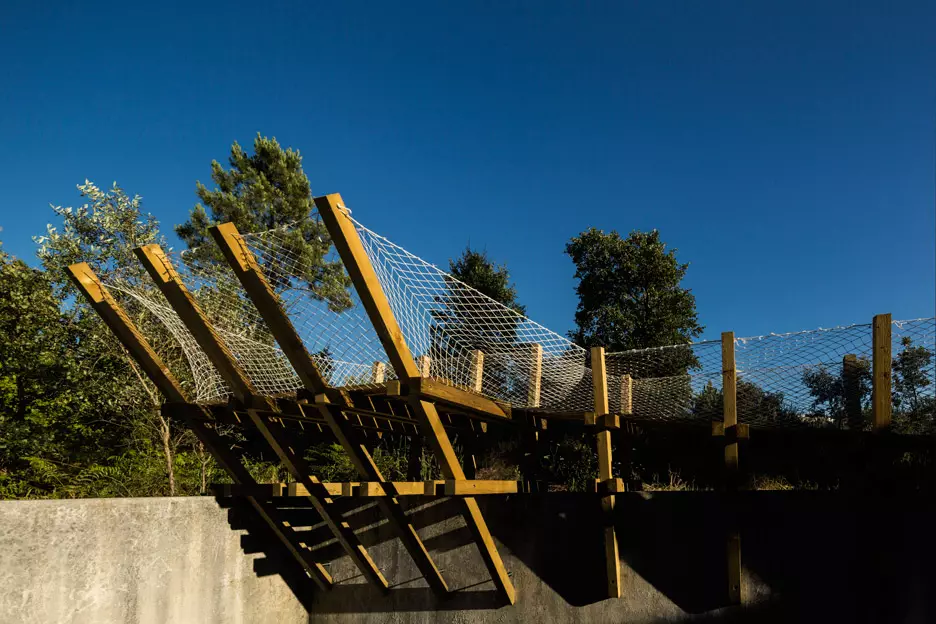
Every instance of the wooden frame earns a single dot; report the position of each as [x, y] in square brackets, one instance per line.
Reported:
[170, 284]
[350, 248]
[140, 350]
[603, 437]
[881, 371]
[267, 302]
[730, 430]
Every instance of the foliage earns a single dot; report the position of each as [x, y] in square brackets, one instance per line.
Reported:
[914, 406]
[262, 191]
[630, 295]
[828, 391]
[750, 399]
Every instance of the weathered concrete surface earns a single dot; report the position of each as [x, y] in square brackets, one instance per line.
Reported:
[808, 557]
[156, 560]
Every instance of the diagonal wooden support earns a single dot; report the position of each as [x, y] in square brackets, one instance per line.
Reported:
[351, 249]
[170, 284]
[140, 350]
[600, 388]
[251, 277]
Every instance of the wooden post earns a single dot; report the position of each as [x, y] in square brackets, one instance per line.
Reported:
[536, 375]
[600, 388]
[379, 373]
[730, 422]
[627, 395]
[353, 255]
[424, 363]
[141, 351]
[881, 370]
[170, 284]
[852, 388]
[251, 276]
[476, 374]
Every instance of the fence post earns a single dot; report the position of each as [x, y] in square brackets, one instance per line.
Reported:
[731, 430]
[881, 370]
[627, 395]
[852, 389]
[423, 363]
[379, 372]
[536, 375]
[605, 476]
[476, 373]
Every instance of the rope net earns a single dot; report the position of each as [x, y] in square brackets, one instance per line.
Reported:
[784, 380]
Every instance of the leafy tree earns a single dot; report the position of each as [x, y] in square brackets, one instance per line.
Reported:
[828, 390]
[914, 408]
[630, 296]
[754, 403]
[53, 418]
[467, 321]
[261, 191]
[104, 233]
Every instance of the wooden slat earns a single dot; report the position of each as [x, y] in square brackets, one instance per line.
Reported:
[600, 391]
[379, 373]
[141, 351]
[352, 252]
[424, 363]
[535, 382]
[454, 397]
[627, 395]
[170, 284]
[881, 372]
[251, 276]
[476, 488]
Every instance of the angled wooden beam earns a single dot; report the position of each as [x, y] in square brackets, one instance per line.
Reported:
[352, 252]
[267, 302]
[600, 389]
[141, 351]
[451, 396]
[170, 284]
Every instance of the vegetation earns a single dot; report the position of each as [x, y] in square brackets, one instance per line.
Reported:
[78, 418]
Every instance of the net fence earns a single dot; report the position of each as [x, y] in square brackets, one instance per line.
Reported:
[811, 378]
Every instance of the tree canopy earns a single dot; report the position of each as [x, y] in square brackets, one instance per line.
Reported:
[261, 191]
[630, 293]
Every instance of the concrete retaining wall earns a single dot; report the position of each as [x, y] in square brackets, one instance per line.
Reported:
[809, 557]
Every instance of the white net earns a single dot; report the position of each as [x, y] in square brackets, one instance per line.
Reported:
[784, 380]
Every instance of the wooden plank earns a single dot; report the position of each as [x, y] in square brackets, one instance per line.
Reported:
[424, 363]
[476, 371]
[852, 387]
[476, 488]
[451, 396]
[352, 252]
[152, 365]
[881, 372]
[535, 382]
[120, 325]
[262, 295]
[379, 373]
[600, 391]
[170, 284]
[258, 490]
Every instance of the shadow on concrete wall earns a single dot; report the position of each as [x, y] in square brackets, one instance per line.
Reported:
[809, 556]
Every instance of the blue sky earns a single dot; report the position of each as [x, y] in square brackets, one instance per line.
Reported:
[785, 148]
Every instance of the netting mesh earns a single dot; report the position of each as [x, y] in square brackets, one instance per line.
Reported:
[797, 379]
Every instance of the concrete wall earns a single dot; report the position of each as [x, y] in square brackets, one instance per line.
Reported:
[156, 560]
[809, 557]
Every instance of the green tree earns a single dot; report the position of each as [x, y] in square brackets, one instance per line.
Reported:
[475, 269]
[262, 191]
[630, 296]
[914, 407]
[103, 233]
[828, 390]
[54, 422]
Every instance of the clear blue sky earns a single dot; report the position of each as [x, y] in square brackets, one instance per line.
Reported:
[785, 148]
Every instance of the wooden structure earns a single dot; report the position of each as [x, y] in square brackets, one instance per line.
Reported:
[415, 405]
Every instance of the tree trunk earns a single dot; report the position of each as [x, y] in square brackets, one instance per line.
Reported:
[203, 460]
[167, 450]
